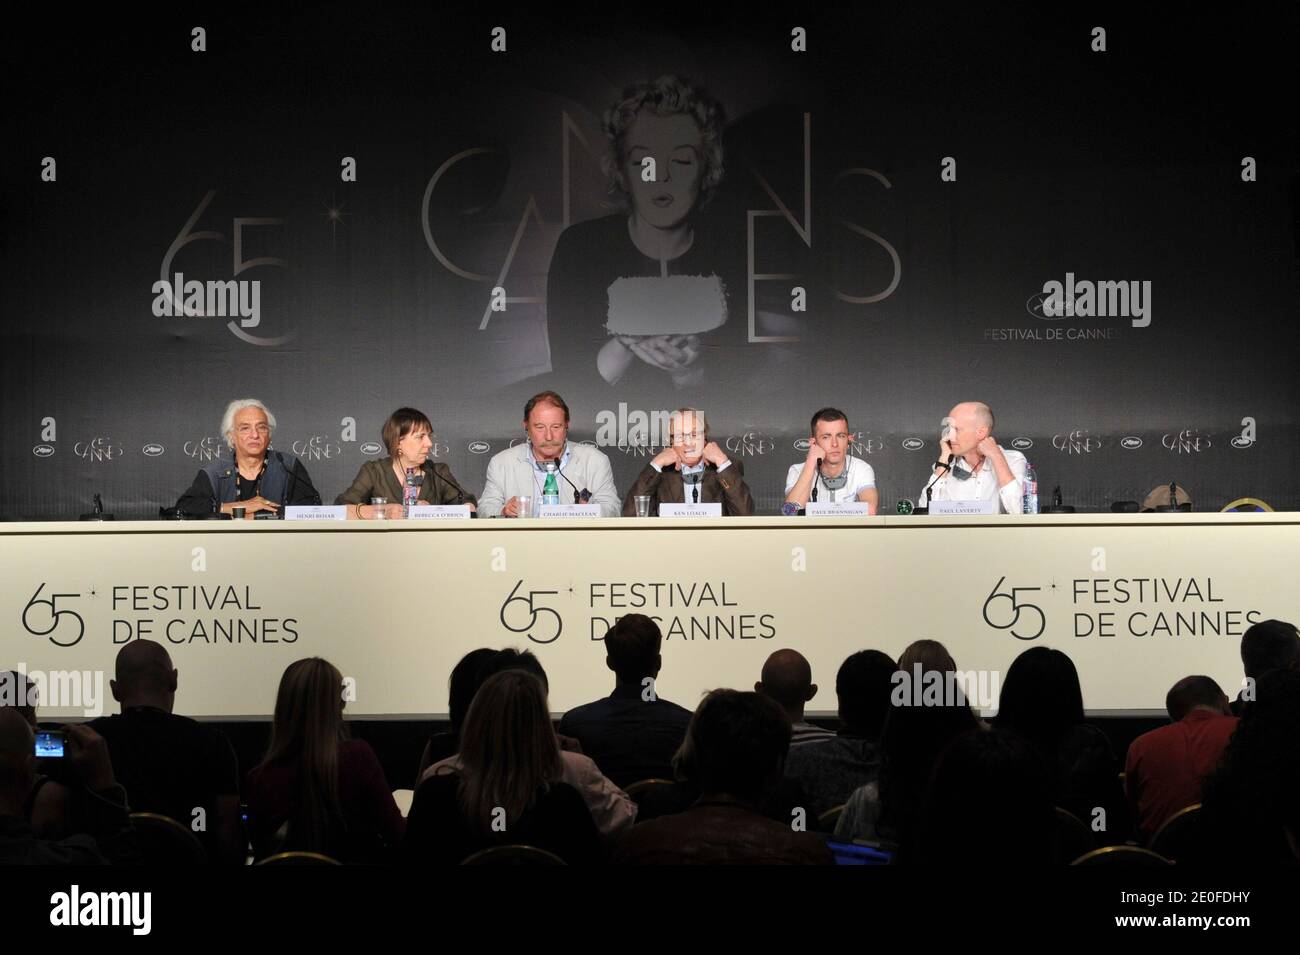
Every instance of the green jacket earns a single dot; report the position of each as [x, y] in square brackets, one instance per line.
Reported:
[378, 479]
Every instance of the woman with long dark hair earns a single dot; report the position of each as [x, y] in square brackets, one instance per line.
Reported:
[505, 787]
[1042, 702]
[317, 790]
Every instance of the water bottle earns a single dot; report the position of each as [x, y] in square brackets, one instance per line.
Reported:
[410, 493]
[551, 489]
[1031, 489]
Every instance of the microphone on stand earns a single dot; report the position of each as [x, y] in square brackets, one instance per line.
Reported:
[97, 511]
[694, 481]
[1057, 507]
[293, 483]
[817, 480]
[1173, 504]
[925, 494]
[579, 497]
[461, 493]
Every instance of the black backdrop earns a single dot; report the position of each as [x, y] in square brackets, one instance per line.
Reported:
[1123, 165]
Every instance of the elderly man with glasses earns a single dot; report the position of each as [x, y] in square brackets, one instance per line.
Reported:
[691, 470]
[256, 478]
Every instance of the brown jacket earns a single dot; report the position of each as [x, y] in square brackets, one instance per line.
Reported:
[719, 830]
[727, 487]
[378, 479]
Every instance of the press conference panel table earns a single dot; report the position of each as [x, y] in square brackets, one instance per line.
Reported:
[1137, 601]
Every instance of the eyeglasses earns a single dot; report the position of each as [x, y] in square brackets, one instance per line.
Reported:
[689, 437]
[250, 428]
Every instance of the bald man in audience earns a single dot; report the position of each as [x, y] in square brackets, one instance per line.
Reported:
[169, 764]
[787, 679]
[1166, 767]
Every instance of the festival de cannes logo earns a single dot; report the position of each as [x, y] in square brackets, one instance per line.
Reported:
[43, 450]
[479, 447]
[211, 448]
[1187, 441]
[913, 444]
[371, 448]
[749, 444]
[862, 443]
[1076, 442]
[152, 450]
[97, 449]
[802, 444]
[316, 448]
[1130, 443]
[1022, 444]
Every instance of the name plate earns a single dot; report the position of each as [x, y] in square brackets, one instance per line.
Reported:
[691, 510]
[957, 508]
[842, 509]
[321, 512]
[568, 510]
[439, 512]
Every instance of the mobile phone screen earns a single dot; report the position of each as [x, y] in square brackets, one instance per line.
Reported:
[49, 744]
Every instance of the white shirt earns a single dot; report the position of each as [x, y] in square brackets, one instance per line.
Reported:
[861, 477]
[983, 485]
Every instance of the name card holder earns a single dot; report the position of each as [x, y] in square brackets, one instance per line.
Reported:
[320, 512]
[691, 510]
[439, 512]
[841, 509]
[963, 508]
[568, 510]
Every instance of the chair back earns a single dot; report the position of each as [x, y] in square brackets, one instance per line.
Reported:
[513, 855]
[298, 858]
[164, 841]
[1122, 857]
[1180, 835]
[1073, 837]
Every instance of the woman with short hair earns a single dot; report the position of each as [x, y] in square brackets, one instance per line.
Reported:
[408, 436]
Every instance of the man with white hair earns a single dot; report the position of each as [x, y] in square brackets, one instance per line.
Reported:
[691, 470]
[972, 466]
[258, 479]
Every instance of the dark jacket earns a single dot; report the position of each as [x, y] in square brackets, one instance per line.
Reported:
[727, 487]
[107, 837]
[630, 739]
[378, 479]
[557, 821]
[285, 481]
[831, 770]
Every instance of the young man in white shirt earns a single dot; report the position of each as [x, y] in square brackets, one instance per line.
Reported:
[840, 477]
[972, 466]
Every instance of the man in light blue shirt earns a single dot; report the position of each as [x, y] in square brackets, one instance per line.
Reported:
[583, 473]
